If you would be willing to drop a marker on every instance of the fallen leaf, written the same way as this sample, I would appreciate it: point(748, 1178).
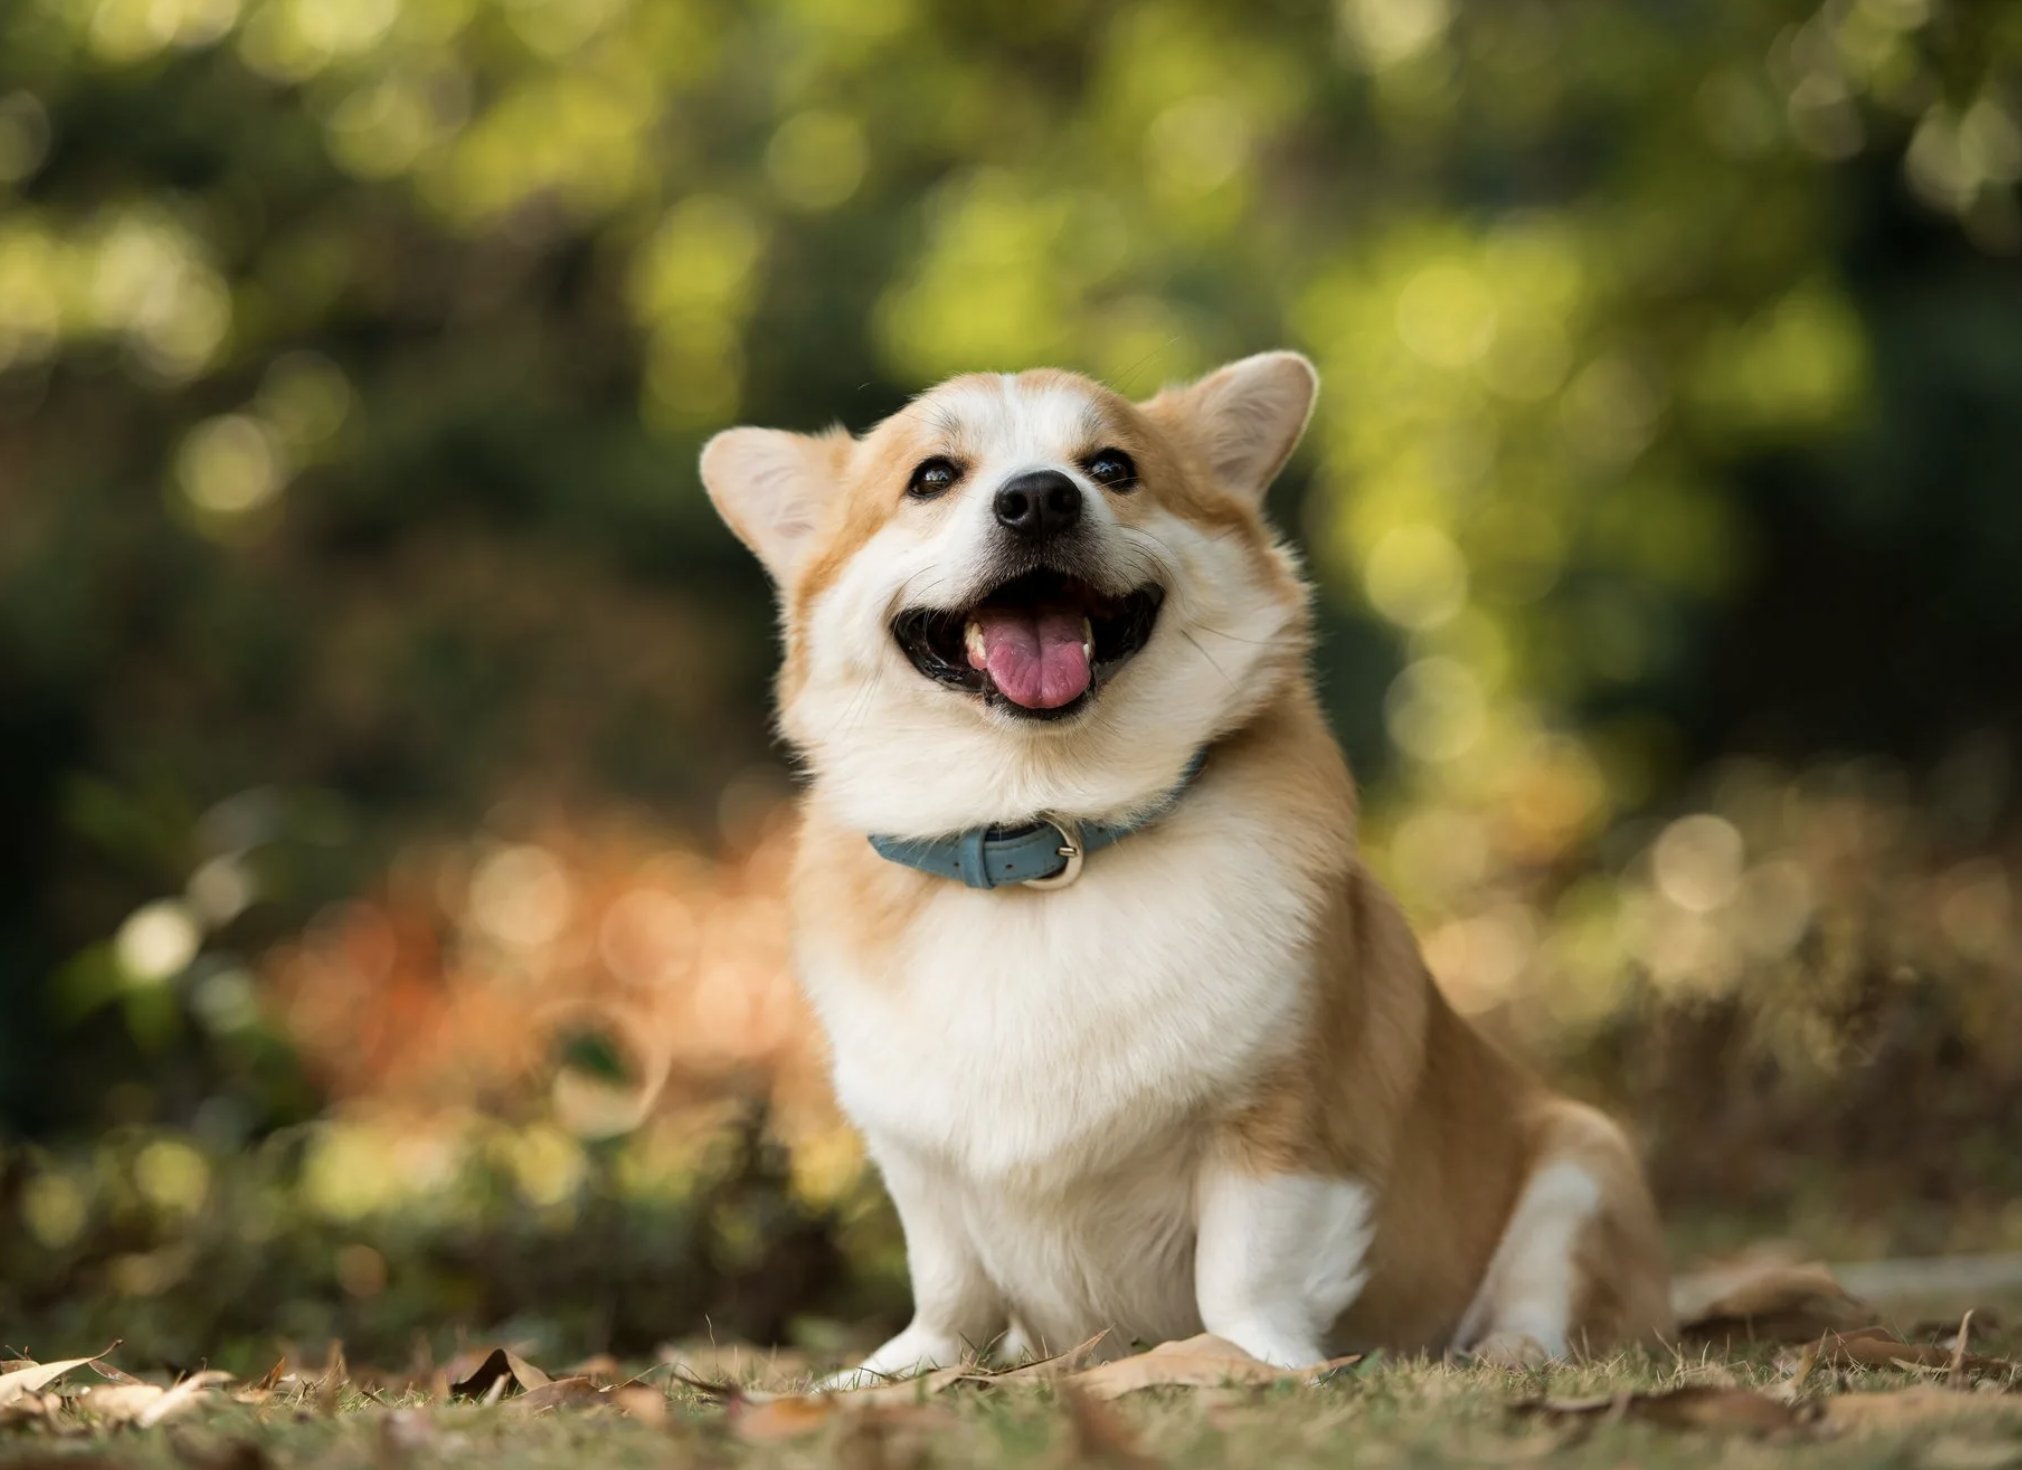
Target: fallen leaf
point(117, 1403)
point(30, 1408)
point(263, 1387)
point(1981, 1322)
point(556, 1394)
point(38, 1376)
point(144, 1405)
point(887, 1392)
point(501, 1371)
point(1957, 1376)
point(181, 1397)
point(1041, 1370)
point(903, 1391)
point(786, 1417)
point(1778, 1301)
point(1923, 1405)
point(1733, 1410)
point(1205, 1361)
point(1877, 1347)
point(598, 1368)
point(1100, 1437)
point(637, 1401)
point(329, 1386)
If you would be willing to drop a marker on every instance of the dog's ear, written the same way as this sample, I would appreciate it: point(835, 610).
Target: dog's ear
point(1245, 417)
point(773, 488)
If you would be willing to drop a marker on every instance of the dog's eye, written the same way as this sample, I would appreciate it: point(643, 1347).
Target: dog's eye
point(1111, 467)
point(932, 477)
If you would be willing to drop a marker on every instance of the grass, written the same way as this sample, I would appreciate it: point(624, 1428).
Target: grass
point(1380, 1412)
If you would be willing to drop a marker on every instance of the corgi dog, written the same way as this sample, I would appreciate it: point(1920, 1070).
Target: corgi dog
point(1135, 1040)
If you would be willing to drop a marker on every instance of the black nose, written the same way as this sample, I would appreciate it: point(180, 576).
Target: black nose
point(1039, 504)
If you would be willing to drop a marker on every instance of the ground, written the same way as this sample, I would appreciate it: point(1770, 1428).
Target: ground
point(1789, 1405)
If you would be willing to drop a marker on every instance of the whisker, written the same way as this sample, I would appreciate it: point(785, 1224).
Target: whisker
point(1122, 383)
point(1237, 638)
point(1209, 657)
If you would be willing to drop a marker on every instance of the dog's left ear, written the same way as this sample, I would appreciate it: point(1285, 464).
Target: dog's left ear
point(1246, 417)
point(773, 488)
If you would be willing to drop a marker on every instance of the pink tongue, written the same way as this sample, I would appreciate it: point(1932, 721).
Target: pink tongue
point(1035, 658)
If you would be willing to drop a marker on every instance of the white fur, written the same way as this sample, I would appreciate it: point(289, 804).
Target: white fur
point(1527, 1293)
point(866, 716)
point(1031, 1069)
point(1037, 1073)
point(1038, 1057)
point(1279, 1259)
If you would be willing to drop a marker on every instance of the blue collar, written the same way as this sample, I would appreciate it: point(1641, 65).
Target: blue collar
point(1046, 852)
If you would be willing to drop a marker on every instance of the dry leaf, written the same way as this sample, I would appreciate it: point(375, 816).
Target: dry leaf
point(181, 1397)
point(903, 1391)
point(1915, 1407)
point(598, 1368)
point(1779, 1301)
point(118, 1403)
point(38, 1376)
point(145, 1405)
point(786, 1417)
point(1099, 1434)
point(638, 1401)
point(109, 1372)
point(263, 1387)
point(1877, 1347)
point(1040, 1370)
point(29, 1408)
point(1205, 1361)
point(557, 1394)
point(1736, 1410)
point(329, 1387)
point(1957, 1376)
point(500, 1372)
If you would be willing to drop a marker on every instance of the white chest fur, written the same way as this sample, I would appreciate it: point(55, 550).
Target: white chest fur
point(1043, 1058)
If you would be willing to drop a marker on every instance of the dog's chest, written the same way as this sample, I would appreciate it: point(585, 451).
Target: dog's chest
point(1029, 1039)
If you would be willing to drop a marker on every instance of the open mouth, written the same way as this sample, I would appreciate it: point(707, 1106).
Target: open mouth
point(1038, 646)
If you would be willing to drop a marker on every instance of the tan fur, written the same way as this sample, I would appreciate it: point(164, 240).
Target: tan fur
point(1383, 1082)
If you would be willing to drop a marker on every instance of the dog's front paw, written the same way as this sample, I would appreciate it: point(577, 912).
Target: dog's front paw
point(1512, 1350)
point(913, 1351)
point(850, 1379)
point(1279, 1349)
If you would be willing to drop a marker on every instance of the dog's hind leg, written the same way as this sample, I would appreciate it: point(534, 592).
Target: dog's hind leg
point(1581, 1262)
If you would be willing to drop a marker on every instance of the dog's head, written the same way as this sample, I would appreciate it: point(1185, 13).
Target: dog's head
point(1024, 593)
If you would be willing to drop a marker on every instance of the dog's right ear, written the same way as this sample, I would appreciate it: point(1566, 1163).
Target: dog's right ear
point(773, 488)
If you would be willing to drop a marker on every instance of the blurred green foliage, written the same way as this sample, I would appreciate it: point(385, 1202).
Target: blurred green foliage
point(354, 354)
point(399, 1244)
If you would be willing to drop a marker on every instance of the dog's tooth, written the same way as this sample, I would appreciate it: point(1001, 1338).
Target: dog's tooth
point(973, 644)
point(1087, 638)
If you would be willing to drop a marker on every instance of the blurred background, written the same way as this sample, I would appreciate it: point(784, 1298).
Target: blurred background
point(391, 838)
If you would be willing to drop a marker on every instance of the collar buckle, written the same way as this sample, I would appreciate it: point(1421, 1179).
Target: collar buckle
point(1072, 847)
